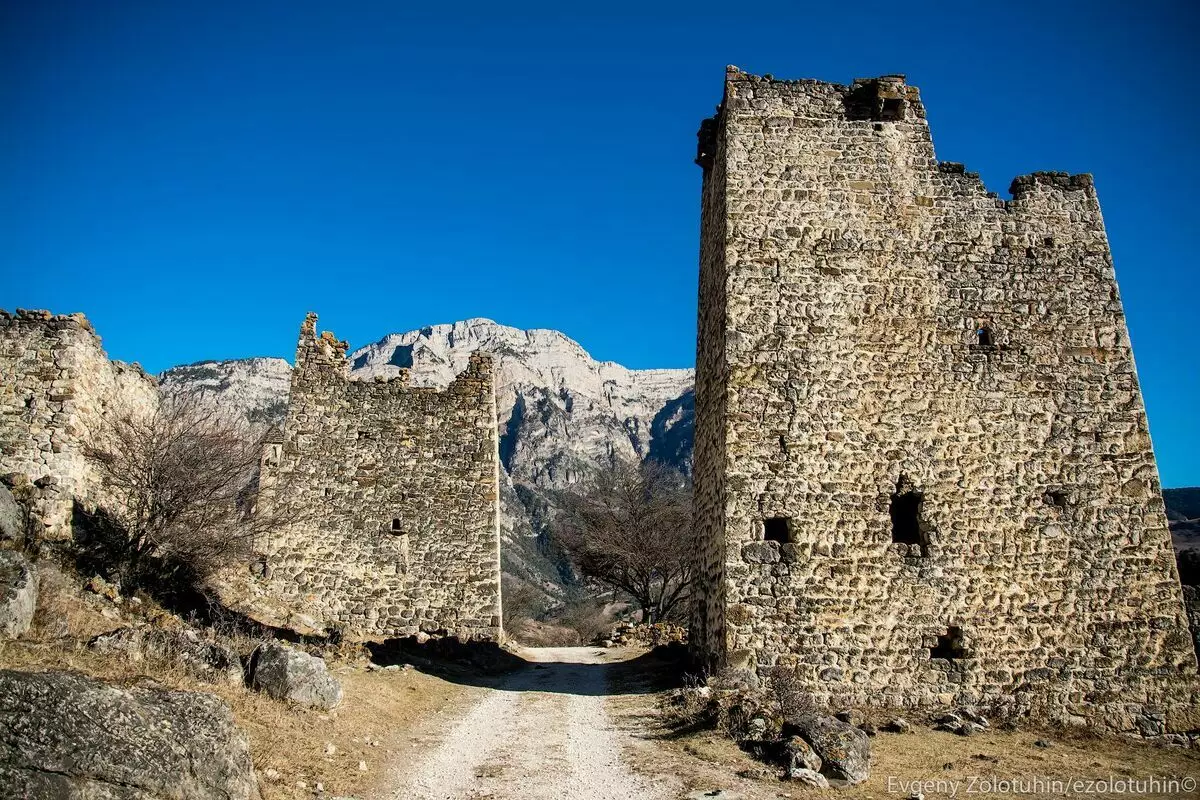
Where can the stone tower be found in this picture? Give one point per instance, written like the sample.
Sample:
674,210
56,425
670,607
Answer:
923,472
395,493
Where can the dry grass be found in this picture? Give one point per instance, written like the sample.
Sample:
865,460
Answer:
290,745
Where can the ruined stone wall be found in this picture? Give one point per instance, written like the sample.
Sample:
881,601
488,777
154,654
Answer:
905,356
394,491
59,388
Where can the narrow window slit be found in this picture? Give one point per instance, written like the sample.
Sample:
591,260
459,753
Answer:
396,528
905,510
984,337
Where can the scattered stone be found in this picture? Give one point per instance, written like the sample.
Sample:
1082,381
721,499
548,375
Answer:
207,660
109,591
868,729
850,717
845,751
70,736
808,777
898,725
330,748
713,794
757,774
18,593
362,766
288,674
271,774
1041,743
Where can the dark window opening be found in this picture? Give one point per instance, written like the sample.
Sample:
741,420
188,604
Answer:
893,109
905,511
1056,498
949,645
1029,253
878,126
1048,241
984,337
783,445
777,529
396,526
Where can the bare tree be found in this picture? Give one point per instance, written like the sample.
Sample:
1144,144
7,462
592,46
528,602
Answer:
630,528
182,482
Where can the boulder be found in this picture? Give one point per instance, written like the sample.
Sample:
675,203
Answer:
898,725
845,751
18,593
289,674
210,661
73,737
798,754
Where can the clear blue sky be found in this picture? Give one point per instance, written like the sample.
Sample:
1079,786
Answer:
194,176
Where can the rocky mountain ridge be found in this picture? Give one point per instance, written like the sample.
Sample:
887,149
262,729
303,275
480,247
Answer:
560,411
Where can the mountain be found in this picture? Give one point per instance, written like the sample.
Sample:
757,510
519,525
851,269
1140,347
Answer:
560,412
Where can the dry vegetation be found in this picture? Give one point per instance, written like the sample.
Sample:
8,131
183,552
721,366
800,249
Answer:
705,758
290,744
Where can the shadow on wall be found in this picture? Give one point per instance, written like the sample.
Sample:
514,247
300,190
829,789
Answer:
489,665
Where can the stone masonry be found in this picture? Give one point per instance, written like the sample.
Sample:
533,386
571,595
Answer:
923,471
58,391
394,493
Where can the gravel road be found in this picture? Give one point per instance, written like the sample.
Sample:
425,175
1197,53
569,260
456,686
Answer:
543,733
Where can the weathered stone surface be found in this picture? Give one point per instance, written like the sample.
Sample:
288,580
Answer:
208,660
64,735
60,390
927,394
808,777
798,754
12,517
288,674
18,593
844,750
395,493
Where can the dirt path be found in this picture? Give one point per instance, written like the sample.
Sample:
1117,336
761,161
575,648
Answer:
544,732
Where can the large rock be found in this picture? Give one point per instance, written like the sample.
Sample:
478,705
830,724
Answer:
207,660
64,735
845,751
18,593
288,674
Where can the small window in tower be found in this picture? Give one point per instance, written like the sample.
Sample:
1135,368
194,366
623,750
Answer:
905,511
893,109
984,337
1056,498
949,645
777,529
1048,241
396,527
783,447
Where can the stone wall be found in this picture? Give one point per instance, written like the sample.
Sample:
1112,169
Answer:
923,468
394,490
59,388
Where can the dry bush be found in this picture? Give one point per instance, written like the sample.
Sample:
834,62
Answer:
786,696
630,528
183,481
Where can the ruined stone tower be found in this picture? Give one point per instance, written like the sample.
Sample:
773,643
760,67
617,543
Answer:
923,472
395,492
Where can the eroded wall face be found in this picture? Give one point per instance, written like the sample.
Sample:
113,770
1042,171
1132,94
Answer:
937,473
394,490
58,394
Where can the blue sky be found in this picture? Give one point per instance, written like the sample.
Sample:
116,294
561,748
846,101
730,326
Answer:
195,176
